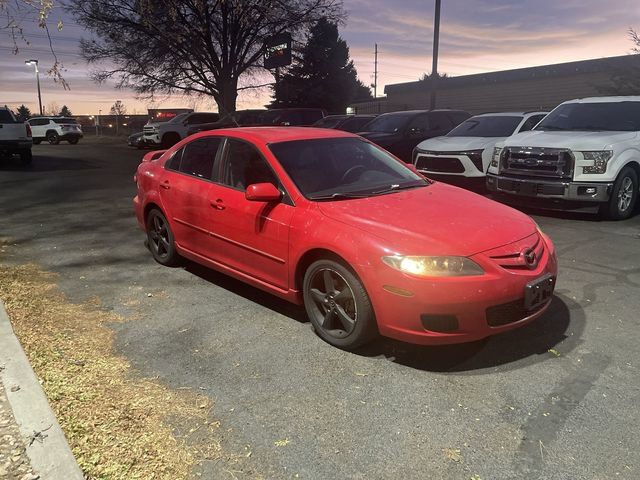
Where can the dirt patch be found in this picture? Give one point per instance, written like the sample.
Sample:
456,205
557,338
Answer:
117,425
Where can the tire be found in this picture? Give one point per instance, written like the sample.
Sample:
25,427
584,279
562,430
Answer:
160,239
170,139
53,138
624,196
73,141
338,307
37,142
26,157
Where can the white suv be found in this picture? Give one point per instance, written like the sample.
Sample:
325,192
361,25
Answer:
466,150
585,152
55,129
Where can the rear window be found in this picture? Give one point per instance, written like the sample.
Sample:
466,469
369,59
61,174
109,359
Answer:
65,121
6,117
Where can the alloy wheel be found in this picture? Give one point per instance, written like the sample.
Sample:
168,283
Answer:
625,194
334,305
159,236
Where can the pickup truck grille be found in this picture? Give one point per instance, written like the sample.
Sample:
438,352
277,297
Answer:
148,130
543,162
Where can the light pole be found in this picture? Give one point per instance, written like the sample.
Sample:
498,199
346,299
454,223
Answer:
98,121
434,66
35,63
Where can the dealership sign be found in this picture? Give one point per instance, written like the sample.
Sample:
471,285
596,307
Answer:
277,51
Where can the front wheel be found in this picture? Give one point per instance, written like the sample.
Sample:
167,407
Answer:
160,239
73,141
623,196
338,305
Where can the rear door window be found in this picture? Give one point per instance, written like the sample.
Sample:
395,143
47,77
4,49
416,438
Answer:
199,156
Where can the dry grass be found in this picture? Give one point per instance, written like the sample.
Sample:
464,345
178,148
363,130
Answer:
117,425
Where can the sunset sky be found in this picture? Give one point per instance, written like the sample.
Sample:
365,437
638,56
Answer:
476,36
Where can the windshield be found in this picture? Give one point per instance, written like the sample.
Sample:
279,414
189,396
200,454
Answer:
388,123
600,116
342,166
487,126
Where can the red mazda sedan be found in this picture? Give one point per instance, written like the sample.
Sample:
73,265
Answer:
327,219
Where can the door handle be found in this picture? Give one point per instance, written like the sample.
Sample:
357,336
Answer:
218,204
165,185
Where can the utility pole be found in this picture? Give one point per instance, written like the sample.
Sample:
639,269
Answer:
434,66
375,73
35,63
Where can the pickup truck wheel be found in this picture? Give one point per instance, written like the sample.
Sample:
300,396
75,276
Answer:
170,139
53,138
623,196
26,157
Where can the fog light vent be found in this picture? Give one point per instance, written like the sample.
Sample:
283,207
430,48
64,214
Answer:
439,323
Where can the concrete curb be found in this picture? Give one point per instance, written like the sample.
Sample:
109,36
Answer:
50,454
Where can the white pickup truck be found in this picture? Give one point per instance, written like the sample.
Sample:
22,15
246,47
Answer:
15,136
169,133
586,152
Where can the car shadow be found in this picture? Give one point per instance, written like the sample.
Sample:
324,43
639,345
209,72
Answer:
555,333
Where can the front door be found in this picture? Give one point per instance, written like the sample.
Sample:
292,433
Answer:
254,235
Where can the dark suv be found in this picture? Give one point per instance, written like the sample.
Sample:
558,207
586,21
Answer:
400,132
261,118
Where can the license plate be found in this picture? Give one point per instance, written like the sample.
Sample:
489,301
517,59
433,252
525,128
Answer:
538,292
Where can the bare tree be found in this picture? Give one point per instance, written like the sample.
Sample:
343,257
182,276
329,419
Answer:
13,18
118,109
198,47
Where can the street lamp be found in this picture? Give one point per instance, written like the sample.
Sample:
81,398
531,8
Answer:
35,63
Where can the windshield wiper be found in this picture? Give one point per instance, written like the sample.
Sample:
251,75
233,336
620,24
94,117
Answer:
396,186
339,196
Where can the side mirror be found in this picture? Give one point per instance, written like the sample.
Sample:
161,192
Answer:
262,192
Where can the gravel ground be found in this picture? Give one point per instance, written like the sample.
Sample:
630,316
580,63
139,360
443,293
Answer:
14,463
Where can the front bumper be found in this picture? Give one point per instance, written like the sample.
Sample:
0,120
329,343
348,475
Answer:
478,306
447,163
540,188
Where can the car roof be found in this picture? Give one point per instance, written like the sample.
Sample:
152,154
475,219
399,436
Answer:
417,112
267,135
628,98
509,114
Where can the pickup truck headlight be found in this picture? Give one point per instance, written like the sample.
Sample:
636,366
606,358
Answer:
600,160
434,266
495,159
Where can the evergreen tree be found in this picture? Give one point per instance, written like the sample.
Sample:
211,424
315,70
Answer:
323,76
65,112
24,113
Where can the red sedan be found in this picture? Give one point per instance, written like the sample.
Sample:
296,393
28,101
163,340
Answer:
327,219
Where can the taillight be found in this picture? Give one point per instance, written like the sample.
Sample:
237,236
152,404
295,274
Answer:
28,130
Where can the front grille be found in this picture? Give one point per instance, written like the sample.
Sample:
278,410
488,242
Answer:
511,312
439,164
523,255
148,130
543,162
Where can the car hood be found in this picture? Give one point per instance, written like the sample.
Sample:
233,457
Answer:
435,220
569,139
458,144
380,137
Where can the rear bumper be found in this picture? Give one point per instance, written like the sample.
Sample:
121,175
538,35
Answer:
71,136
15,145
594,192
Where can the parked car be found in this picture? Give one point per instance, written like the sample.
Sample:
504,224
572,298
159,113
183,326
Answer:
15,136
55,129
266,118
400,132
466,151
169,133
347,123
327,219
586,152
136,140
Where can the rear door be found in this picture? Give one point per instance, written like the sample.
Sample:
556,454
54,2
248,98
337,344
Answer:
185,190
254,236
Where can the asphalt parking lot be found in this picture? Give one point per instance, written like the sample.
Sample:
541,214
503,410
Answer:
556,399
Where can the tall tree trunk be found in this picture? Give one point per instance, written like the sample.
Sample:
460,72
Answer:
228,95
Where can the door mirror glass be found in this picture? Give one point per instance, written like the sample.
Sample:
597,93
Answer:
262,192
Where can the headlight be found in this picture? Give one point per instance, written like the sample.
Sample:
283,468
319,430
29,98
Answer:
434,266
599,159
495,159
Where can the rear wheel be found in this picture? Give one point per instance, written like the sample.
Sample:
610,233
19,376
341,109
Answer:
26,157
73,141
53,138
338,305
623,196
160,239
